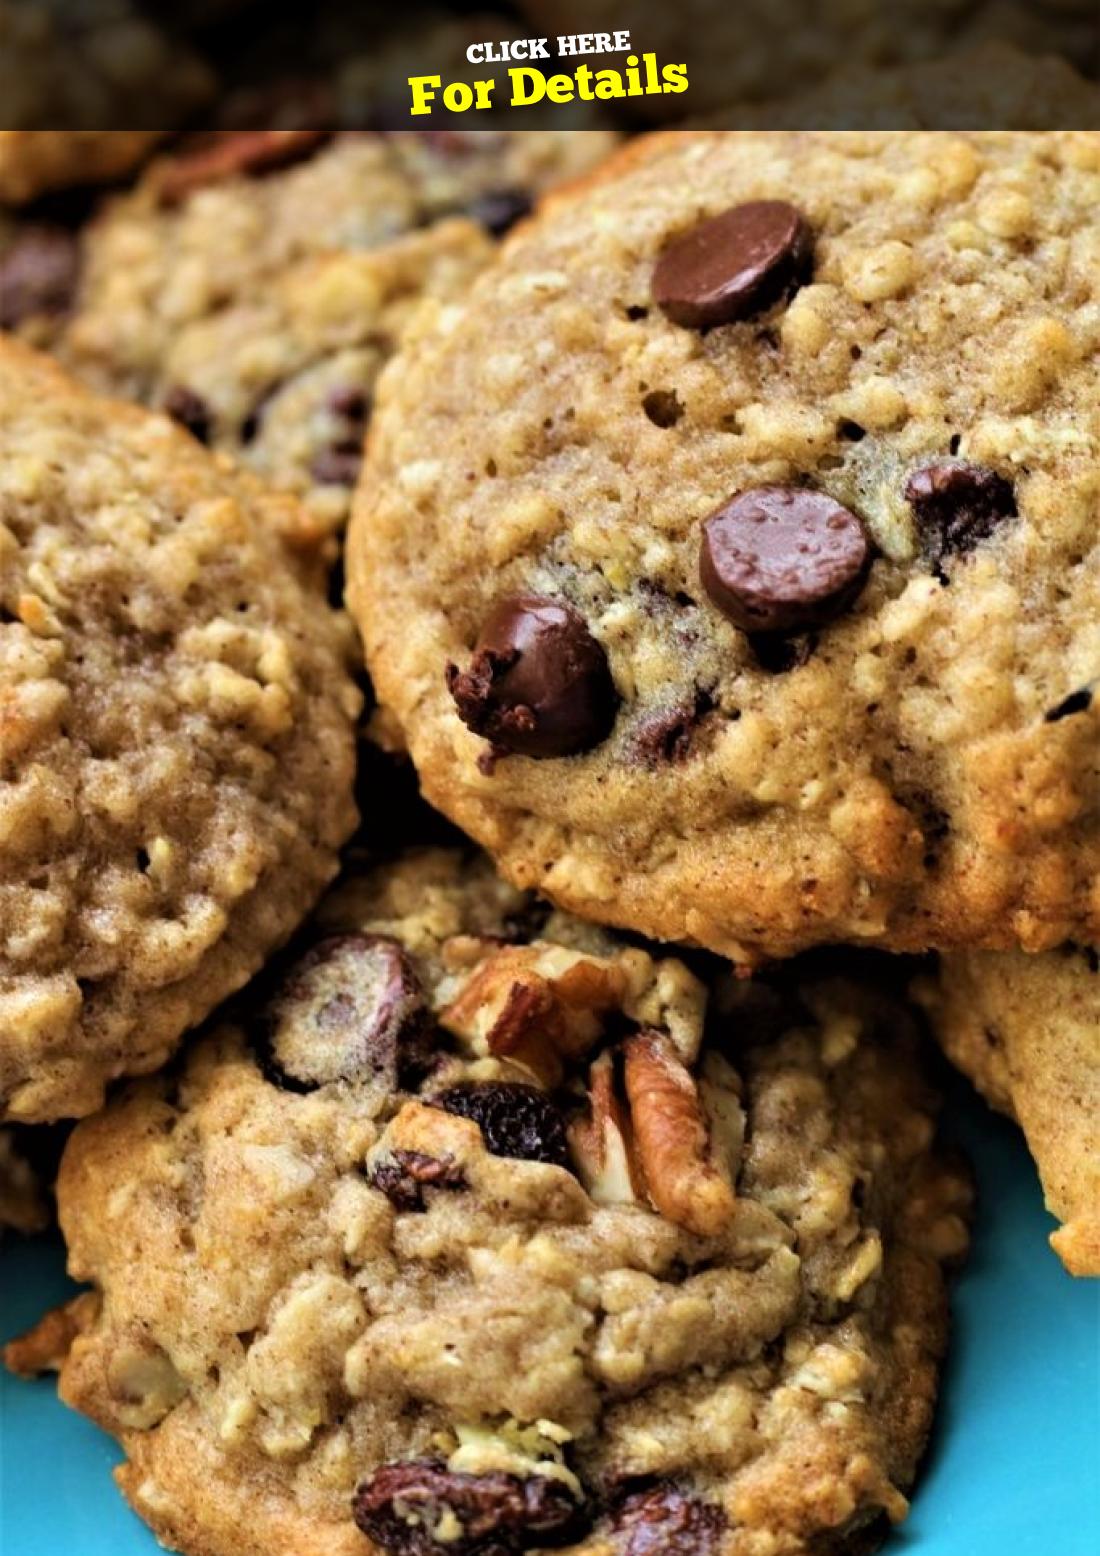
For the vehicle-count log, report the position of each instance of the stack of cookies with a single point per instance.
(561, 1175)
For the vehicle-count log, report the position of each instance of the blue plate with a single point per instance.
(1014, 1467)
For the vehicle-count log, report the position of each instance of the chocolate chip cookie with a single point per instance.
(729, 553)
(483, 1231)
(1026, 1030)
(176, 744)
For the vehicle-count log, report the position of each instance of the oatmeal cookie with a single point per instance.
(177, 737)
(1026, 1030)
(728, 553)
(22, 1206)
(462, 1239)
(212, 227)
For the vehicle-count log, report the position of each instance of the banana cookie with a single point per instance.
(483, 1232)
(729, 552)
(1026, 1030)
(177, 739)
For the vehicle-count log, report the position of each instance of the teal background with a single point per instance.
(1014, 1466)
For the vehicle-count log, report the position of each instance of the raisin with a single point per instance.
(662, 1521)
(351, 1009)
(401, 1506)
(516, 1120)
(404, 1176)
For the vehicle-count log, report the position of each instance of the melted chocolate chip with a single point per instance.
(190, 410)
(665, 1522)
(781, 559)
(663, 408)
(538, 683)
(404, 1176)
(516, 1120)
(351, 1009)
(665, 737)
(402, 1506)
(956, 507)
(499, 209)
(734, 265)
(38, 275)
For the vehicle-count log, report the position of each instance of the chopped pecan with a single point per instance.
(601, 1145)
(232, 152)
(673, 1139)
(537, 1005)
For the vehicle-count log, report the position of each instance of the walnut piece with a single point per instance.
(600, 1143)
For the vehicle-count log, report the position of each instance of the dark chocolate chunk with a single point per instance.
(781, 559)
(663, 408)
(734, 265)
(516, 1120)
(663, 1521)
(957, 506)
(38, 275)
(351, 1009)
(538, 683)
(404, 1175)
(190, 410)
(402, 1506)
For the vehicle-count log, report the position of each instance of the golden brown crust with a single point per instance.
(1026, 1030)
(34, 161)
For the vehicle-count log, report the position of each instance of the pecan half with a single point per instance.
(673, 1138)
(537, 1005)
(600, 1143)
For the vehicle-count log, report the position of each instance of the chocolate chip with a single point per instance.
(499, 209)
(957, 506)
(779, 559)
(666, 736)
(538, 683)
(404, 1175)
(38, 275)
(190, 410)
(665, 1522)
(338, 465)
(351, 1009)
(402, 1506)
(734, 265)
(516, 1120)
(1079, 701)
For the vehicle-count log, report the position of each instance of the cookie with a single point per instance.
(177, 740)
(22, 1206)
(34, 161)
(1026, 1030)
(462, 1239)
(728, 553)
(211, 227)
(87, 66)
